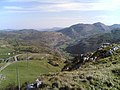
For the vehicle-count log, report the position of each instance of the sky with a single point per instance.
(38, 14)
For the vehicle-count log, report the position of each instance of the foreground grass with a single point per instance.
(103, 74)
(28, 71)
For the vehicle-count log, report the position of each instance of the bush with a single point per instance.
(116, 72)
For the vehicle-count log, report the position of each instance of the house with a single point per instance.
(8, 53)
(38, 83)
(106, 44)
(34, 86)
(30, 86)
(115, 48)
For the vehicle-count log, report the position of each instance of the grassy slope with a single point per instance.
(27, 73)
(103, 74)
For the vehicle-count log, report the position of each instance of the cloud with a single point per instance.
(13, 8)
(41, 1)
(77, 7)
(66, 5)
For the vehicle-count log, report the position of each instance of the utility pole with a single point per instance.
(27, 60)
(17, 71)
(18, 77)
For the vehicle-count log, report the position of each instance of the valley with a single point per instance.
(72, 58)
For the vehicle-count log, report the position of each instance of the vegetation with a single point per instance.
(103, 74)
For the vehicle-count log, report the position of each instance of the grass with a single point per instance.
(4, 52)
(27, 72)
(103, 74)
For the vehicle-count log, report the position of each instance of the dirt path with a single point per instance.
(15, 60)
(9, 63)
(15, 57)
(3, 67)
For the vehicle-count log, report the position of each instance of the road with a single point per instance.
(15, 60)
(8, 63)
(15, 57)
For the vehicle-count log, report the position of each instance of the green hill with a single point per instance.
(102, 74)
(28, 72)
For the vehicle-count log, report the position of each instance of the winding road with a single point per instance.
(9, 63)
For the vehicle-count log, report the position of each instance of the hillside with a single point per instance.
(35, 41)
(92, 42)
(30, 35)
(100, 74)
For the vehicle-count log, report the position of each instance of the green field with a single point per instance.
(27, 71)
(4, 52)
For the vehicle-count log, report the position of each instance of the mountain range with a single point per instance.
(78, 38)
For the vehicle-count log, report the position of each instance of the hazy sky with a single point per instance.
(18, 14)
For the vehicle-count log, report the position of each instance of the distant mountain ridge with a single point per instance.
(82, 30)
(51, 29)
(115, 26)
(31, 35)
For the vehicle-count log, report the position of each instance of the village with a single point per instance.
(105, 50)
